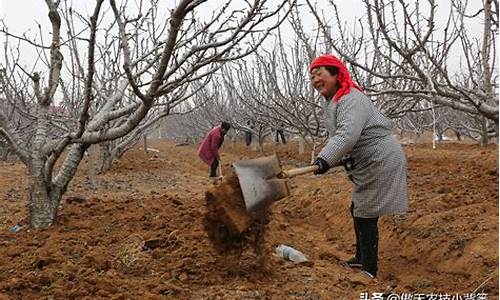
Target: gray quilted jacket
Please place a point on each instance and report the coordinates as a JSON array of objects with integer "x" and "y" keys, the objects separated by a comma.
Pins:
[{"x": 378, "y": 173}]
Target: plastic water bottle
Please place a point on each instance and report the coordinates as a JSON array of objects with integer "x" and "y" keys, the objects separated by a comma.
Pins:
[
  {"x": 16, "y": 228},
  {"x": 291, "y": 254}
]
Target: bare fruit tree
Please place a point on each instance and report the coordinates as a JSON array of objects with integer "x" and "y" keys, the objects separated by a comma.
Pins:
[
  {"x": 399, "y": 54},
  {"x": 402, "y": 53},
  {"x": 272, "y": 87},
  {"x": 155, "y": 58}
]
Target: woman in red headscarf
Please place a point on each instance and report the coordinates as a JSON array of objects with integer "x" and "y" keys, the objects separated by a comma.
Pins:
[{"x": 361, "y": 138}]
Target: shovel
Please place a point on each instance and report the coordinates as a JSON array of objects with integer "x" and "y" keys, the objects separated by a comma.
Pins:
[
  {"x": 262, "y": 180},
  {"x": 220, "y": 168}
]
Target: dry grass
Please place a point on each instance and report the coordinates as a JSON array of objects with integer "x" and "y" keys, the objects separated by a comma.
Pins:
[{"x": 131, "y": 252}]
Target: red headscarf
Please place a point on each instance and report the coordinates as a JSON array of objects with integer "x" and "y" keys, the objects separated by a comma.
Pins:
[{"x": 343, "y": 76}]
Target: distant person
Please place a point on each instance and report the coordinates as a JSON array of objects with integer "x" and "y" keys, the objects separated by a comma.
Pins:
[
  {"x": 280, "y": 134},
  {"x": 377, "y": 164},
  {"x": 248, "y": 133},
  {"x": 209, "y": 148}
]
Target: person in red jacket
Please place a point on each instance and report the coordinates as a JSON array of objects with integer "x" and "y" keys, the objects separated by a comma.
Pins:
[{"x": 209, "y": 148}]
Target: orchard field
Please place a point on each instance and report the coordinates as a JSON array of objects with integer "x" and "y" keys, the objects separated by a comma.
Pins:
[{"x": 140, "y": 234}]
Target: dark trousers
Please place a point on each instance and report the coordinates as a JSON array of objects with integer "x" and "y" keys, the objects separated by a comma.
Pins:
[
  {"x": 248, "y": 138},
  {"x": 366, "y": 230},
  {"x": 213, "y": 168},
  {"x": 280, "y": 134}
]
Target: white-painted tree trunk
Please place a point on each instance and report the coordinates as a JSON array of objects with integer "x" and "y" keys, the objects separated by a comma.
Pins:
[
  {"x": 44, "y": 196},
  {"x": 255, "y": 144},
  {"x": 302, "y": 143},
  {"x": 106, "y": 157},
  {"x": 434, "y": 134},
  {"x": 145, "y": 141},
  {"x": 42, "y": 206}
]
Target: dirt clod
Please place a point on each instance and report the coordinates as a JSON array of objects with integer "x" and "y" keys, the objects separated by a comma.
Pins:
[{"x": 230, "y": 228}]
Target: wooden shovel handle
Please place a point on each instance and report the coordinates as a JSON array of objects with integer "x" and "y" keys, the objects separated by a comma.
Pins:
[
  {"x": 220, "y": 168},
  {"x": 298, "y": 171}
]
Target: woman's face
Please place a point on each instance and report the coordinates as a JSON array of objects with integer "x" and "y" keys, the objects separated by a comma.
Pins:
[{"x": 324, "y": 82}]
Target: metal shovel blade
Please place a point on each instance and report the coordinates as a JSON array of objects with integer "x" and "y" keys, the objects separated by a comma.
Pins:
[{"x": 258, "y": 181}]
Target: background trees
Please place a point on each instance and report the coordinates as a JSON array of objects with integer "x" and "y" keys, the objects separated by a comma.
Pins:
[
  {"x": 419, "y": 61},
  {"x": 106, "y": 76},
  {"x": 113, "y": 76},
  {"x": 404, "y": 51}
]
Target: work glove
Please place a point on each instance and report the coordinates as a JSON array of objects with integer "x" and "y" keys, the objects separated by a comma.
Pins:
[{"x": 322, "y": 164}]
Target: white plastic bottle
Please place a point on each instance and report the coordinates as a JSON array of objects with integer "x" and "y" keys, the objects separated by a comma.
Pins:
[{"x": 291, "y": 254}]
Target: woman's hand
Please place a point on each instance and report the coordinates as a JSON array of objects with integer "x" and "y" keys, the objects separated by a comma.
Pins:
[{"x": 322, "y": 166}]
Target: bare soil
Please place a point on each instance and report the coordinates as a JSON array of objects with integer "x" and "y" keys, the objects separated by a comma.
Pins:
[{"x": 145, "y": 232}]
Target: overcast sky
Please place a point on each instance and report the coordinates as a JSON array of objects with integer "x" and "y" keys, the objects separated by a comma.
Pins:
[{"x": 23, "y": 16}]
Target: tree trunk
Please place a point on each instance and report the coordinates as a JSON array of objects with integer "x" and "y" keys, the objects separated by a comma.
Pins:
[
  {"x": 106, "y": 157},
  {"x": 255, "y": 144},
  {"x": 145, "y": 139},
  {"x": 233, "y": 140},
  {"x": 484, "y": 133},
  {"x": 4, "y": 153},
  {"x": 42, "y": 207},
  {"x": 418, "y": 137},
  {"x": 301, "y": 145},
  {"x": 261, "y": 144},
  {"x": 495, "y": 138},
  {"x": 91, "y": 165},
  {"x": 45, "y": 194}
]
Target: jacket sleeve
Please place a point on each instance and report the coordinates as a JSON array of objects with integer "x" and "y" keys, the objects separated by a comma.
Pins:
[{"x": 352, "y": 115}]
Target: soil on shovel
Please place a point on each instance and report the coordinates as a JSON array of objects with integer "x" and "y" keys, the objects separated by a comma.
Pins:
[{"x": 230, "y": 227}]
